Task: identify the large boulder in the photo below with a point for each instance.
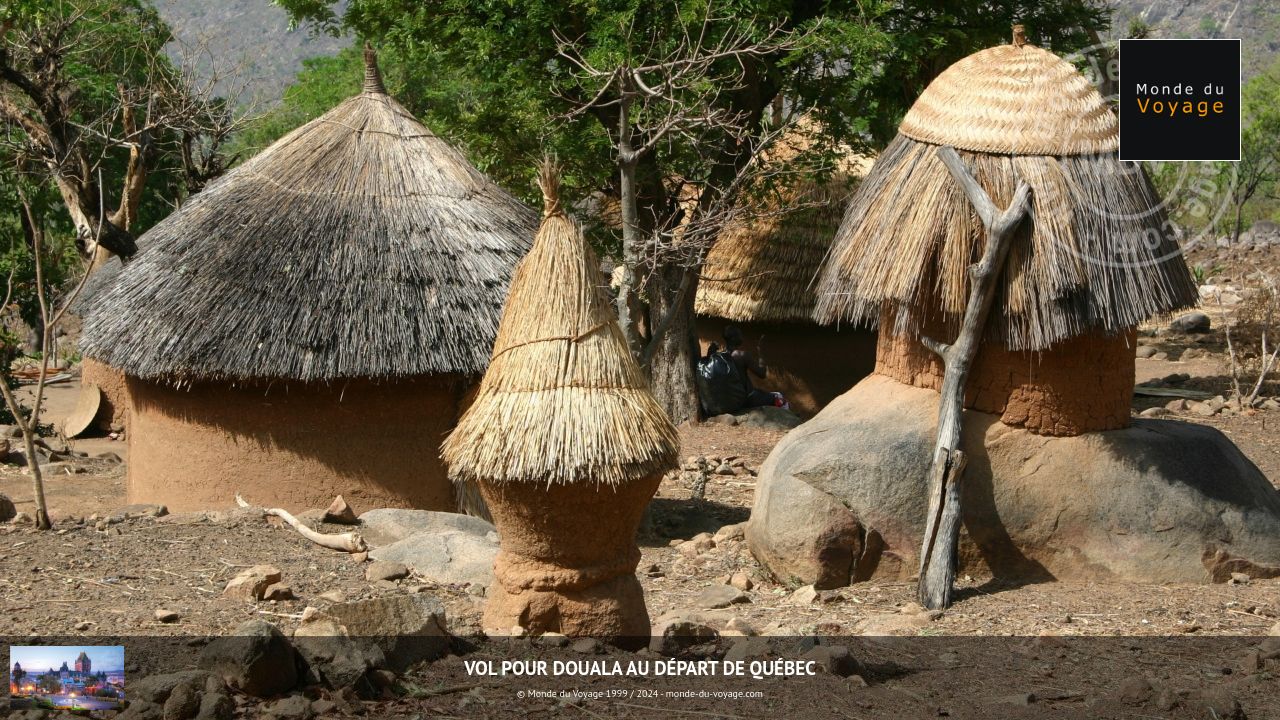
(389, 525)
(449, 557)
(842, 498)
(255, 659)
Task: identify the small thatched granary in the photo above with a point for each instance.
(1093, 261)
(567, 446)
(759, 276)
(1061, 482)
(309, 324)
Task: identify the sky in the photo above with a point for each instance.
(108, 658)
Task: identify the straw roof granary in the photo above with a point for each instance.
(315, 314)
(759, 276)
(1092, 261)
(566, 444)
(563, 400)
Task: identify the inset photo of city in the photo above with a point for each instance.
(81, 678)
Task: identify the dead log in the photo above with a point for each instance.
(942, 525)
(350, 542)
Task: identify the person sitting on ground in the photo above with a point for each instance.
(751, 364)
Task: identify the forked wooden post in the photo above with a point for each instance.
(942, 527)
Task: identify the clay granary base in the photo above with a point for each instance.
(114, 410)
(292, 445)
(568, 559)
(1080, 385)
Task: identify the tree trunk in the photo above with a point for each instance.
(671, 367)
(946, 474)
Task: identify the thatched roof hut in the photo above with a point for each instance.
(759, 276)
(1094, 257)
(1093, 260)
(563, 400)
(566, 445)
(351, 272)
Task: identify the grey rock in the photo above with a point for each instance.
(1146, 351)
(294, 707)
(340, 513)
(187, 695)
(385, 526)
(252, 583)
(723, 419)
(587, 646)
(1160, 501)
(721, 596)
(385, 570)
(256, 658)
(769, 418)
(167, 616)
(1191, 323)
(7, 510)
(448, 557)
(674, 632)
(749, 648)
(407, 628)
(835, 659)
(333, 658)
(1155, 412)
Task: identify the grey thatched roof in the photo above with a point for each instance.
(1094, 256)
(359, 245)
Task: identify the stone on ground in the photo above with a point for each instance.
(721, 596)
(187, 695)
(252, 583)
(385, 570)
(408, 628)
(255, 659)
(7, 510)
(769, 418)
(1192, 322)
(447, 557)
(842, 498)
(340, 513)
(385, 526)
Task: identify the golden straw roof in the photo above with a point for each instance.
(360, 245)
(563, 400)
(1017, 100)
(761, 268)
(1094, 255)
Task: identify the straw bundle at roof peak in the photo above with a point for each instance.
(360, 245)
(1094, 255)
(563, 400)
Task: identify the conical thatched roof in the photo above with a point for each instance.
(761, 267)
(563, 400)
(359, 245)
(1094, 255)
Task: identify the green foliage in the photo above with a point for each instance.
(485, 74)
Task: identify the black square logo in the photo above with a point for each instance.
(1180, 100)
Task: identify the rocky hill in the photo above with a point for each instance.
(250, 38)
(1256, 22)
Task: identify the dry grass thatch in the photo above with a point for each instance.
(563, 400)
(1013, 99)
(1094, 256)
(360, 245)
(761, 267)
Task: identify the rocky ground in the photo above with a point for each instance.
(108, 571)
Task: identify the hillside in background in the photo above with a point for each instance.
(1256, 22)
(250, 36)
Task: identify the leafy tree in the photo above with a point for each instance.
(1259, 166)
(490, 75)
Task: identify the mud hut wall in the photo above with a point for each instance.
(292, 445)
(1080, 385)
(810, 364)
(114, 409)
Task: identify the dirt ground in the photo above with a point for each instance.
(85, 581)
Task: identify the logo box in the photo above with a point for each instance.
(1180, 99)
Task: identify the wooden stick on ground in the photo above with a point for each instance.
(942, 526)
(350, 542)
